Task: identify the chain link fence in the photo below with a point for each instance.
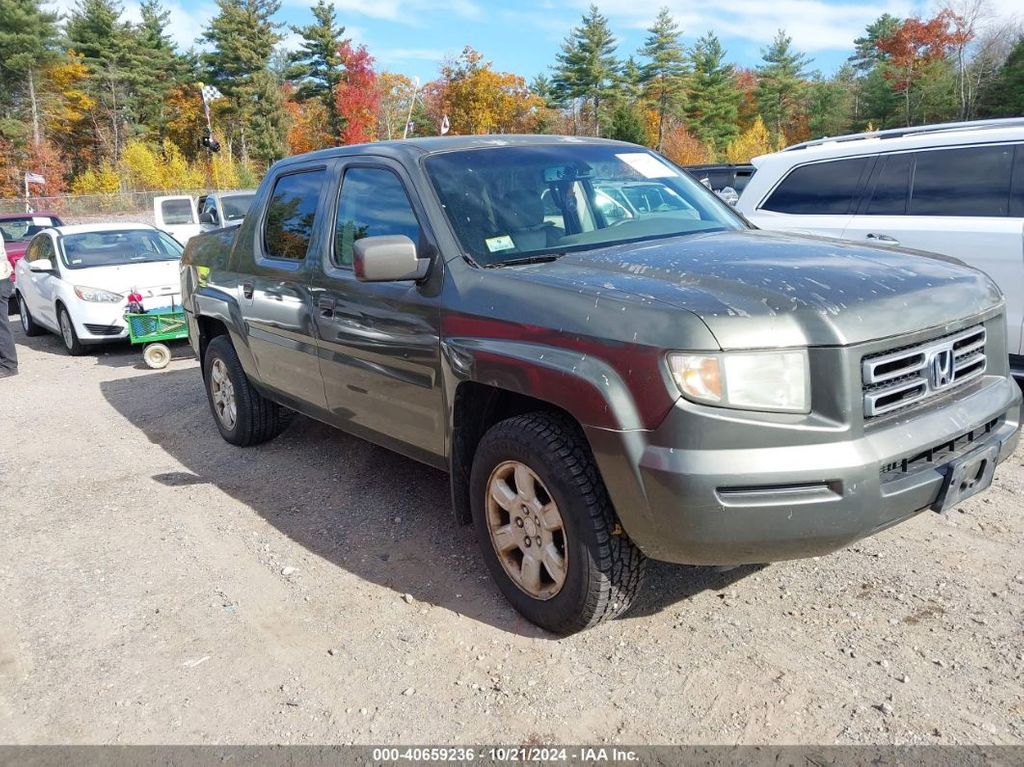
(93, 208)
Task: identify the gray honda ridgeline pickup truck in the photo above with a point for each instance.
(610, 363)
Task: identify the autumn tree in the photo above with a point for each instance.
(752, 143)
(712, 110)
(910, 49)
(357, 98)
(395, 95)
(479, 100)
(586, 68)
(781, 86)
(317, 68)
(664, 74)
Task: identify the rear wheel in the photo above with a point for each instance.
(67, 332)
(546, 526)
(243, 416)
(27, 323)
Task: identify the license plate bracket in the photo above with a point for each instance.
(966, 476)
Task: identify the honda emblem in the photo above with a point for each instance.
(941, 368)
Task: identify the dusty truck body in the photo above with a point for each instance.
(676, 385)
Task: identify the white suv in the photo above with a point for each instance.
(955, 189)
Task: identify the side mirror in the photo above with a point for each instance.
(43, 265)
(389, 258)
(207, 217)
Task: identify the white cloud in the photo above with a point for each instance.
(186, 22)
(402, 11)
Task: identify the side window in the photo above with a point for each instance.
(40, 248)
(1017, 189)
(824, 188)
(373, 202)
(962, 182)
(291, 214)
(892, 187)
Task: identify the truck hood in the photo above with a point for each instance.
(756, 289)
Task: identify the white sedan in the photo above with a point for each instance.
(75, 280)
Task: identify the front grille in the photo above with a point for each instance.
(936, 455)
(104, 330)
(906, 376)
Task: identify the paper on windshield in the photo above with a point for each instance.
(646, 165)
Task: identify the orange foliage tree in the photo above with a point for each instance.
(914, 44)
(358, 99)
(683, 148)
(478, 100)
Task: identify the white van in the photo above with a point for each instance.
(955, 189)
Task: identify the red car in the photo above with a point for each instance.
(19, 228)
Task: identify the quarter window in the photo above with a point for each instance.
(974, 181)
(291, 215)
(824, 188)
(373, 203)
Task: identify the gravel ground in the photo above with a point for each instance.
(161, 586)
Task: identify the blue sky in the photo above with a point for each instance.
(412, 36)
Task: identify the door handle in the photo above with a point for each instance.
(247, 289)
(883, 238)
(325, 305)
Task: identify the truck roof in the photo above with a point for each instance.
(438, 144)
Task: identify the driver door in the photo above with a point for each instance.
(39, 288)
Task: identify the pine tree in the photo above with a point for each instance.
(628, 125)
(1004, 96)
(95, 30)
(664, 76)
(316, 67)
(243, 35)
(781, 87)
(713, 107)
(157, 70)
(587, 67)
(27, 34)
(866, 55)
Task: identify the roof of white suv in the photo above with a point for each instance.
(943, 134)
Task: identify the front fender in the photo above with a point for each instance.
(222, 306)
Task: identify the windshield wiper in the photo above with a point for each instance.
(539, 259)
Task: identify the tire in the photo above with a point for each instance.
(156, 355)
(601, 569)
(67, 333)
(28, 324)
(256, 418)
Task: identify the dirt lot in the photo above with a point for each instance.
(160, 586)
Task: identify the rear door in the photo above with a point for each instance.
(176, 215)
(380, 342)
(816, 198)
(275, 287)
(964, 202)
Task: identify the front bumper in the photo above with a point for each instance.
(98, 322)
(749, 505)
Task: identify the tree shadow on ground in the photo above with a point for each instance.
(379, 515)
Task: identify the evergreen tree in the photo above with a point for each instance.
(713, 107)
(631, 81)
(316, 67)
(157, 70)
(664, 75)
(781, 86)
(829, 102)
(95, 30)
(587, 67)
(628, 125)
(1004, 96)
(243, 35)
(866, 55)
(27, 35)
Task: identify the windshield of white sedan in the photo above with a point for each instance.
(511, 203)
(117, 248)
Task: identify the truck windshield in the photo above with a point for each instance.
(511, 203)
(117, 248)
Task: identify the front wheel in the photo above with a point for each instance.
(243, 416)
(546, 526)
(67, 333)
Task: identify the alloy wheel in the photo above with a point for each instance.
(222, 394)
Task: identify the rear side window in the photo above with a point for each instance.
(892, 187)
(824, 188)
(973, 181)
(373, 203)
(291, 215)
(176, 212)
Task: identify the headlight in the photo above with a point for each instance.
(98, 296)
(770, 381)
